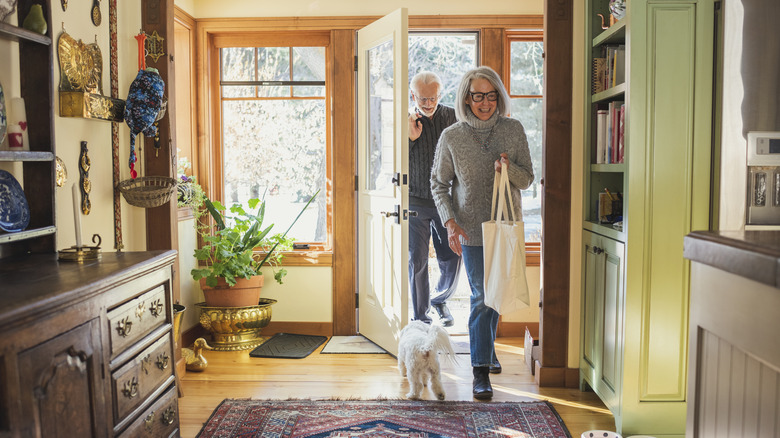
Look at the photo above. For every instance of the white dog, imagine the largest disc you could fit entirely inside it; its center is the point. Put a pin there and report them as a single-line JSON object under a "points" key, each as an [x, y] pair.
{"points": [[418, 356]]}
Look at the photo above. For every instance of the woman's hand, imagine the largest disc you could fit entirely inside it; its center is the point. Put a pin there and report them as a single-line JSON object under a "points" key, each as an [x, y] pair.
{"points": [[504, 159], [454, 231]]}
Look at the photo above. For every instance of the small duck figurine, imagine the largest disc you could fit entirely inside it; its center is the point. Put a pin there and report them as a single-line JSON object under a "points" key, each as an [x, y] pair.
{"points": [[194, 358]]}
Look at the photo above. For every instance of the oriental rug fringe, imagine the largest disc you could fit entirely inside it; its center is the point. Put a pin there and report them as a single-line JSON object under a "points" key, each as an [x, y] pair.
{"points": [[382, 418]]}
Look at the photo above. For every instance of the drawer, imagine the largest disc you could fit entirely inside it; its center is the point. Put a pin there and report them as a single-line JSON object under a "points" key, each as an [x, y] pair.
{"points": [[136, 318], [134, 381], [159, 420]]}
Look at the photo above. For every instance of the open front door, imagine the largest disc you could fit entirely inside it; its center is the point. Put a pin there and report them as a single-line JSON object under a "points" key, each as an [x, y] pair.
{"points": [[383, 154]]}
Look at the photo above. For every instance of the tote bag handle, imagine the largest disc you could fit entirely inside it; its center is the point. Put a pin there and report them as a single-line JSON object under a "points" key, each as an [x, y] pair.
{"points": [[501, 191]]}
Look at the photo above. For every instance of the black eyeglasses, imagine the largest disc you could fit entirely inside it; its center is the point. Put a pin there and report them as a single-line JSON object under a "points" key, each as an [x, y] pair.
{"points": [[492, 96]]}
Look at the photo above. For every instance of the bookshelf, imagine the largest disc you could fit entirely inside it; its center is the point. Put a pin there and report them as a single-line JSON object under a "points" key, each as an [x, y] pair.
{"points": [[37, 164], [635, 283]]}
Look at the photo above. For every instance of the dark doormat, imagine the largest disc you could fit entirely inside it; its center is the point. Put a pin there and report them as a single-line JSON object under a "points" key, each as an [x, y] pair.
{"points": [[288, 346]]}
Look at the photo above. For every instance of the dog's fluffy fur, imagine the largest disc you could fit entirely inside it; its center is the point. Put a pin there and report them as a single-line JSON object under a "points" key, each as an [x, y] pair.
{"points": [[418, 356]]}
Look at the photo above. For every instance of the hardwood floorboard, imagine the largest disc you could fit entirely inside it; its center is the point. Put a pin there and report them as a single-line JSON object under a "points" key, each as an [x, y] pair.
{"points": [[369, 376]]}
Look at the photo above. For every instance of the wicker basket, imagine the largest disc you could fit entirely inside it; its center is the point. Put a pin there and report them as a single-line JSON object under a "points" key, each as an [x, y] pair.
{"points": [[148, 191]]}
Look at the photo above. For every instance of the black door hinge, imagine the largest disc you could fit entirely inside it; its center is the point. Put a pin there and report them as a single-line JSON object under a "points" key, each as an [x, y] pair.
{"points": [[356, 62]]}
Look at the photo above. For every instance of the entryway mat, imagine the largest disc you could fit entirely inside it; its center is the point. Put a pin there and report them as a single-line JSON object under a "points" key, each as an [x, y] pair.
{"points": [[460, 344], [351, 345], [288, 346]]}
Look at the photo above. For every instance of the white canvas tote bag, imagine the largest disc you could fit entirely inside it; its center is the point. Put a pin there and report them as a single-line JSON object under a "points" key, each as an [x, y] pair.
{"points": [[506, 285]]}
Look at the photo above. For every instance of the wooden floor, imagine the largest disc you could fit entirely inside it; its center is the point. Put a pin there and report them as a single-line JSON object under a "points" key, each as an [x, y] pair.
{"points": [[368, 376]]}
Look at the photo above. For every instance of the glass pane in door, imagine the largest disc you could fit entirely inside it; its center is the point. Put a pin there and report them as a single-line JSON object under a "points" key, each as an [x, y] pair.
{"points": [[379, 160]]}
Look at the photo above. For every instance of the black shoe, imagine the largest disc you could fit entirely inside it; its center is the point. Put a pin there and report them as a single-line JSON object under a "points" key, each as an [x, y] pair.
{"points": [[495, 369], [444, 314], [482, 389]]}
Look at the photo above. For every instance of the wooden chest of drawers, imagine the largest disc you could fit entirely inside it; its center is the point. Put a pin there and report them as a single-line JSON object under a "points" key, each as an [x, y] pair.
{"points": [[88, 348]]}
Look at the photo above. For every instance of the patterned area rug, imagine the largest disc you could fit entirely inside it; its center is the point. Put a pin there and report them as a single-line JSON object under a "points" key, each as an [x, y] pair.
{"points": [[382, 419]]}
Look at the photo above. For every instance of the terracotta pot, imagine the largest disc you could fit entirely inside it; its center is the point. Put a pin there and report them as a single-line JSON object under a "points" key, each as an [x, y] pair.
{"points": [[245, 293]]}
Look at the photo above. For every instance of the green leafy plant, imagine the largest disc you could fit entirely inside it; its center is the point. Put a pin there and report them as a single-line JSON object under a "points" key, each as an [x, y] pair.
{"points": [[229, 251]]}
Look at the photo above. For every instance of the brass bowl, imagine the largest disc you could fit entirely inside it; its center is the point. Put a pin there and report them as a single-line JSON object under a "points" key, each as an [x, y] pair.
{"points": [[236, 328]]}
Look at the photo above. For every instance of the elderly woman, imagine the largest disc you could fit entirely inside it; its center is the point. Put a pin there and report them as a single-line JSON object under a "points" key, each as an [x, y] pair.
{"points": [[462, 187]]}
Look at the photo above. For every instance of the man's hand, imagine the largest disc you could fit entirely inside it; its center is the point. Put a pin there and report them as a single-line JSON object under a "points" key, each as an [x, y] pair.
{"points": [[454, 231], [415, 127]]}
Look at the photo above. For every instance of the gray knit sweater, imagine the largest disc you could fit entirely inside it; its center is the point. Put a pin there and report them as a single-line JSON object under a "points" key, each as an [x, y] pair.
{"points": [[463, 172]]}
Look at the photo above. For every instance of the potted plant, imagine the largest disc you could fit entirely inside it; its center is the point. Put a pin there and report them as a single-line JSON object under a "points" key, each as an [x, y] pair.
{"points": [[232, 277]]}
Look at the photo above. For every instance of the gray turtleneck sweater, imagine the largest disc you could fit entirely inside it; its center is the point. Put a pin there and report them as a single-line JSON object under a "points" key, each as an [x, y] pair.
{"points": [[463, 171]]}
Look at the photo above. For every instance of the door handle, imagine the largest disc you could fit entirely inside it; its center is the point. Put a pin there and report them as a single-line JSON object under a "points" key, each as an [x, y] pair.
{"points": [[389, 213], [409, 213], [396, 214]]}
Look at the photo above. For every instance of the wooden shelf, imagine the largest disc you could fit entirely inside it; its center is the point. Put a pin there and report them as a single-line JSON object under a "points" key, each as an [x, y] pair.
{"points": [[27, 234], [26, 156], [605, 230], [608, 168], [615, 34], [16, 33], [609, 94]]}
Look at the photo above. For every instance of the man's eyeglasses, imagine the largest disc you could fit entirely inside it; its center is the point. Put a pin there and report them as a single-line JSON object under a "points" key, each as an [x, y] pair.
{"points": [[492, 96], [424, 100]]}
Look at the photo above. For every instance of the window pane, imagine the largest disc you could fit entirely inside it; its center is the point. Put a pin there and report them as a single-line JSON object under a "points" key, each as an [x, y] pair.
{"points": [[308, 63], [379, 165], [229, 91], [447, 55], [273, 64], [527, 68], [306, 91], [238, 64], [529, 112], [273, 91], [277, 148]]}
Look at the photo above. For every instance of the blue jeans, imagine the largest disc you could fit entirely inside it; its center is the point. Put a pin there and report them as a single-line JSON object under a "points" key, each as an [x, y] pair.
{"points": [[421, 227], [483, 320]]}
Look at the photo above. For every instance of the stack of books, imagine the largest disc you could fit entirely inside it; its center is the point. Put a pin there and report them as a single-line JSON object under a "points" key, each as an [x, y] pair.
{"points": [[609, 69], [610, 141]]}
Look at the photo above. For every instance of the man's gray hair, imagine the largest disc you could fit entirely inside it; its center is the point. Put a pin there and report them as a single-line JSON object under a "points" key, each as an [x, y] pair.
{"points": [[425, 78], [482, 72]]}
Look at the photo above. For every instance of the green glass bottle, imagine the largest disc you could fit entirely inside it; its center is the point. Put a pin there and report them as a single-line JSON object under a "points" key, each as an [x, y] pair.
{"points": [[35, 21]]}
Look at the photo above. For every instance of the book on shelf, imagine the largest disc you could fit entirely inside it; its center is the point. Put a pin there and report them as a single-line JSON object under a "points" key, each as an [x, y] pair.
{"points": [[601, 139], [598, 79], [621, 132], [610, 125]]}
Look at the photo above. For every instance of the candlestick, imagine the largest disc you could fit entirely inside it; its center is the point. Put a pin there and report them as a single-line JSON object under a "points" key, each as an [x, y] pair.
{"points": [[77, 215]]}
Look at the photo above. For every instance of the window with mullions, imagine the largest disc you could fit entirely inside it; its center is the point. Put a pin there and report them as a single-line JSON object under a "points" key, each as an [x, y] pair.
{"points": [[526, 81], [274, 134]]}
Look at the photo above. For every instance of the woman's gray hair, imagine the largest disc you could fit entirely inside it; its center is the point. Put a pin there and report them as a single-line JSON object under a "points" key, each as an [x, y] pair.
{"points": [[482, 72], [425, 77]]}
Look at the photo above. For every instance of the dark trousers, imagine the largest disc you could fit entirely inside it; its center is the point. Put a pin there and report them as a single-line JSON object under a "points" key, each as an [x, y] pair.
{"points": [[422, 227]]}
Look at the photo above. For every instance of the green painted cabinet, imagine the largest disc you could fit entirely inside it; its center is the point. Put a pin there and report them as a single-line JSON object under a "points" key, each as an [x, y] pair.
{"points": [[602, 310], [664, 180]]}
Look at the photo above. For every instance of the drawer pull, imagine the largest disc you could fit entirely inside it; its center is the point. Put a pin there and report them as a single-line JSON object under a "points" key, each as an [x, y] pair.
{"points": [[145, 362], [123, 326], [139, 311], [148, 421], [169, 416], [162, 361], [156, 308], [130, 389]]}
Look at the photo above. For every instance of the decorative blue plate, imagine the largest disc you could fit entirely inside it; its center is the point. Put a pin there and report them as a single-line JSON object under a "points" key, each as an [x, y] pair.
{"points": [[14, 211]]}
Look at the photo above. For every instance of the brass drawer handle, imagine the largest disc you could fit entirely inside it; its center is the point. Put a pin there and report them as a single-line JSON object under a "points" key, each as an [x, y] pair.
{"points": [[130, 389], [148, 421], [162, 361], [139, 311], [169, 416], [145, 362], [123, 326], [156, 308]]}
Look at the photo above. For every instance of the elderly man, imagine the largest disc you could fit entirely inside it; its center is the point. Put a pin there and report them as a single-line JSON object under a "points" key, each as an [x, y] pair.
{"points": [[426, 124]]}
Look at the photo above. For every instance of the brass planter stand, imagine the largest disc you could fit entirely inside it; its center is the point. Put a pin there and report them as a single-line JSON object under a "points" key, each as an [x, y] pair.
{"points": [[236, 328]]}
